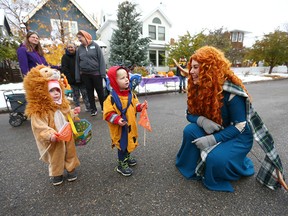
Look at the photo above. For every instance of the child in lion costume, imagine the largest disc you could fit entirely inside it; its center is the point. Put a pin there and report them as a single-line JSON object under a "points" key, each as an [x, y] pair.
{"points": [[48, 115]]}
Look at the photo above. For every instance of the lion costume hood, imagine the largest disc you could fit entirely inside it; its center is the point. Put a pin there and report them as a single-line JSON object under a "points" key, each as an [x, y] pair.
{"points": [[39, 101]]}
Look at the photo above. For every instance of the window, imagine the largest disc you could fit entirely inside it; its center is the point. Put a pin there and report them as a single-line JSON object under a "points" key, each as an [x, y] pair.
{"points": [[161, 57], [152, 32], [157, 58], [70, 28], [234, 36], [161, 33], [240, 37], [152, 57], [156, 20]]}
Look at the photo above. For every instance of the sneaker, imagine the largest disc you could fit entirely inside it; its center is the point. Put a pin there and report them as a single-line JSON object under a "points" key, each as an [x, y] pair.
{"points": [[87, 110], [94, 113], [124, 169], [130, 160], [71, 176], [57, 180]]}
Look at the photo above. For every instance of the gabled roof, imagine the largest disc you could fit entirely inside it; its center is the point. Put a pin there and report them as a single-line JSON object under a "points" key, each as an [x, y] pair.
{"points": [[155, 10], [43, 2], [237, 30], [4, 21]]}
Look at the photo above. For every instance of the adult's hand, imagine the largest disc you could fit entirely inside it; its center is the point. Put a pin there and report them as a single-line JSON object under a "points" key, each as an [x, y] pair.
{"points": [[204, 142], [208, 125]]}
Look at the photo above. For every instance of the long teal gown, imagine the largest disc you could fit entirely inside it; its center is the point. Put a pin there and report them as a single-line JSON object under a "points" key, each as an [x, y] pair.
{"points": [[226, 162]]}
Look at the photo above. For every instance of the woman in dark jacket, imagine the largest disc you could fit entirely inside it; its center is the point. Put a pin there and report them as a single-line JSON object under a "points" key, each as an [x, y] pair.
{"points": [[68, 68]]}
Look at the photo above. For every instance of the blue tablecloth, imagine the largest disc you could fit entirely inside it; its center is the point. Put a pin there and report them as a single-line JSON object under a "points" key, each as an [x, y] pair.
{"points": [[159, 80]]}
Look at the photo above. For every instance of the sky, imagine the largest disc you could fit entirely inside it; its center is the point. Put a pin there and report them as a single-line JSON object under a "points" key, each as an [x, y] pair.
{"points": [[256, 16]]}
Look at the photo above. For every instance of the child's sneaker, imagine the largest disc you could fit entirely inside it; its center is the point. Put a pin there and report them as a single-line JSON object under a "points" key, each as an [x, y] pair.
{"points": [[71, 176], [130, 160], [57, 180], [123, 168]]}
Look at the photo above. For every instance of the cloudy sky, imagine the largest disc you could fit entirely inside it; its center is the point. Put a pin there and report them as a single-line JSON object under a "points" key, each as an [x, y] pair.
{"points": [[255, 16]]}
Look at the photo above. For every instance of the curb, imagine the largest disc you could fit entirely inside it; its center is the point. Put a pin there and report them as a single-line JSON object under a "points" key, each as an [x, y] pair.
{"points": [[5, 110]]}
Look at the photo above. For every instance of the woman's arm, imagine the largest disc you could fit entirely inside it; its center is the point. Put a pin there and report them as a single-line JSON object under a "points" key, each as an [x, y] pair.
{"points": [[237, 116]]}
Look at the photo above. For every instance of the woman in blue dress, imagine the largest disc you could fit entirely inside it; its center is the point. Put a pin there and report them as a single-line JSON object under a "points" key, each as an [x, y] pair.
{"points": [[218, 138]]}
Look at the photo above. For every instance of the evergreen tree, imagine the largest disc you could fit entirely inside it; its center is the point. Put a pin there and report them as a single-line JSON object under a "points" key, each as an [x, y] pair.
{"points": [[128, 47]]}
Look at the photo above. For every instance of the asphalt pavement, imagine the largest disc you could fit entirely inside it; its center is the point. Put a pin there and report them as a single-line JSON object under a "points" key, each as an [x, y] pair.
{"points": [[156, 187]]}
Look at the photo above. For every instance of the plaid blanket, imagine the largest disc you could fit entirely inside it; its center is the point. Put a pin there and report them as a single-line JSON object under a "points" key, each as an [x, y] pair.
{"points": [[267, 172]]}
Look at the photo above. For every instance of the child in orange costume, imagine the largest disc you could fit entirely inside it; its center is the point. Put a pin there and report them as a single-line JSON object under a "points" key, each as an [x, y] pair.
{"points": [[120, 109], [48, 109]]}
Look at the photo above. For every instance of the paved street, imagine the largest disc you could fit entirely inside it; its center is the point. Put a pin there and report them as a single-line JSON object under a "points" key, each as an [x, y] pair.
{"points": [[156, 187]]}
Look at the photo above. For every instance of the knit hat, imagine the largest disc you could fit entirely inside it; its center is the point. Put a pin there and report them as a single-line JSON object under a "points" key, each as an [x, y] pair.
{"points": [[86, 35], [55, 84]]}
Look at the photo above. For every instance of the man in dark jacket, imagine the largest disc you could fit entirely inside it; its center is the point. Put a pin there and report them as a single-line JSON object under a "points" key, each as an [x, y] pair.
{"points": [[68, 69], [90, 65]]}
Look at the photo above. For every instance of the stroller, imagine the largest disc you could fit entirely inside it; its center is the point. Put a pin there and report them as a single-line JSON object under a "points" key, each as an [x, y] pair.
{"points": [[16, 104]]}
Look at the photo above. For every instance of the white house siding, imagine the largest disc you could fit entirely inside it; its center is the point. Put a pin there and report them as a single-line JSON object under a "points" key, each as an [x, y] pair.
{"points": [[107, 27]]}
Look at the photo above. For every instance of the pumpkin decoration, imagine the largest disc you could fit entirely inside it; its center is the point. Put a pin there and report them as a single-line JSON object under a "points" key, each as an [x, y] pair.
{"points": [[162, 73], [170, 74]]}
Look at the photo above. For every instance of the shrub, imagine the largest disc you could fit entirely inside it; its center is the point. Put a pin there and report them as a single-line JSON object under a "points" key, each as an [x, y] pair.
{"points": [[140, 70]]}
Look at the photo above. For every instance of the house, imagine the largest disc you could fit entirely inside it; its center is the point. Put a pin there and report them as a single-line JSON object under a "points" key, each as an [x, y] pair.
{"points": [[237, 38], [156, 25], [49, 15], [5, 30]]}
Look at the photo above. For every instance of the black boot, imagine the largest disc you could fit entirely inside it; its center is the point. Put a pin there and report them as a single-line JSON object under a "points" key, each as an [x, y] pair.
{"points": [[180, 89]]}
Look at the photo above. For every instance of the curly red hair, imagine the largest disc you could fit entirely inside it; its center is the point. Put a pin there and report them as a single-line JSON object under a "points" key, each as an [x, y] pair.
{"points": [[205, 97]]}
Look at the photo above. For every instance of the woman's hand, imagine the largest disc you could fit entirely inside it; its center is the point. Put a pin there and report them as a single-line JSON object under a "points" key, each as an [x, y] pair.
{"points": [[208, 125], [204, 142]]}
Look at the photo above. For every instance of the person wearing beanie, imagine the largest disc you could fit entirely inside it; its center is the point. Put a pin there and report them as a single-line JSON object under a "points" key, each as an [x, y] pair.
{"points": [[48, 111], [68, 69], [91, 68], [120, 109]]}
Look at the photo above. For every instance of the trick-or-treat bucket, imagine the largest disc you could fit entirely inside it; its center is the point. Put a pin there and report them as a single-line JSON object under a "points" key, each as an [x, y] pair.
{"points": [[84, 129]]}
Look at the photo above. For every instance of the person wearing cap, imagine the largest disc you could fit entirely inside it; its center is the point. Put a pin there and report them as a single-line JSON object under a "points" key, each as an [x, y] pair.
{"points": [[182, 76], [120, 109], [48, 111], [91, 68]]}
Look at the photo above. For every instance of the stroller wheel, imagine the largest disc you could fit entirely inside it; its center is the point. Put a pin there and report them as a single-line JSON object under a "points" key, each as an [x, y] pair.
{"points": [[15, 120], [24, 117]]}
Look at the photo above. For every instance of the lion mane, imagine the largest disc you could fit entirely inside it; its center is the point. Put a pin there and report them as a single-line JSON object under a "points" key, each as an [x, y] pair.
{"points": [[39, 101]]}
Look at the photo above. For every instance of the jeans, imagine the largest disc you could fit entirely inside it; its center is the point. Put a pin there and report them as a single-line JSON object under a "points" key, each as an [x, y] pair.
{"points": [[182, 81], [77, 89]]}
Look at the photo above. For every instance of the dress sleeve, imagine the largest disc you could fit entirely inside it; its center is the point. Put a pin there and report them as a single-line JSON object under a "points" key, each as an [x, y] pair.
{"points": [[237, 113], [191, 118]]}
